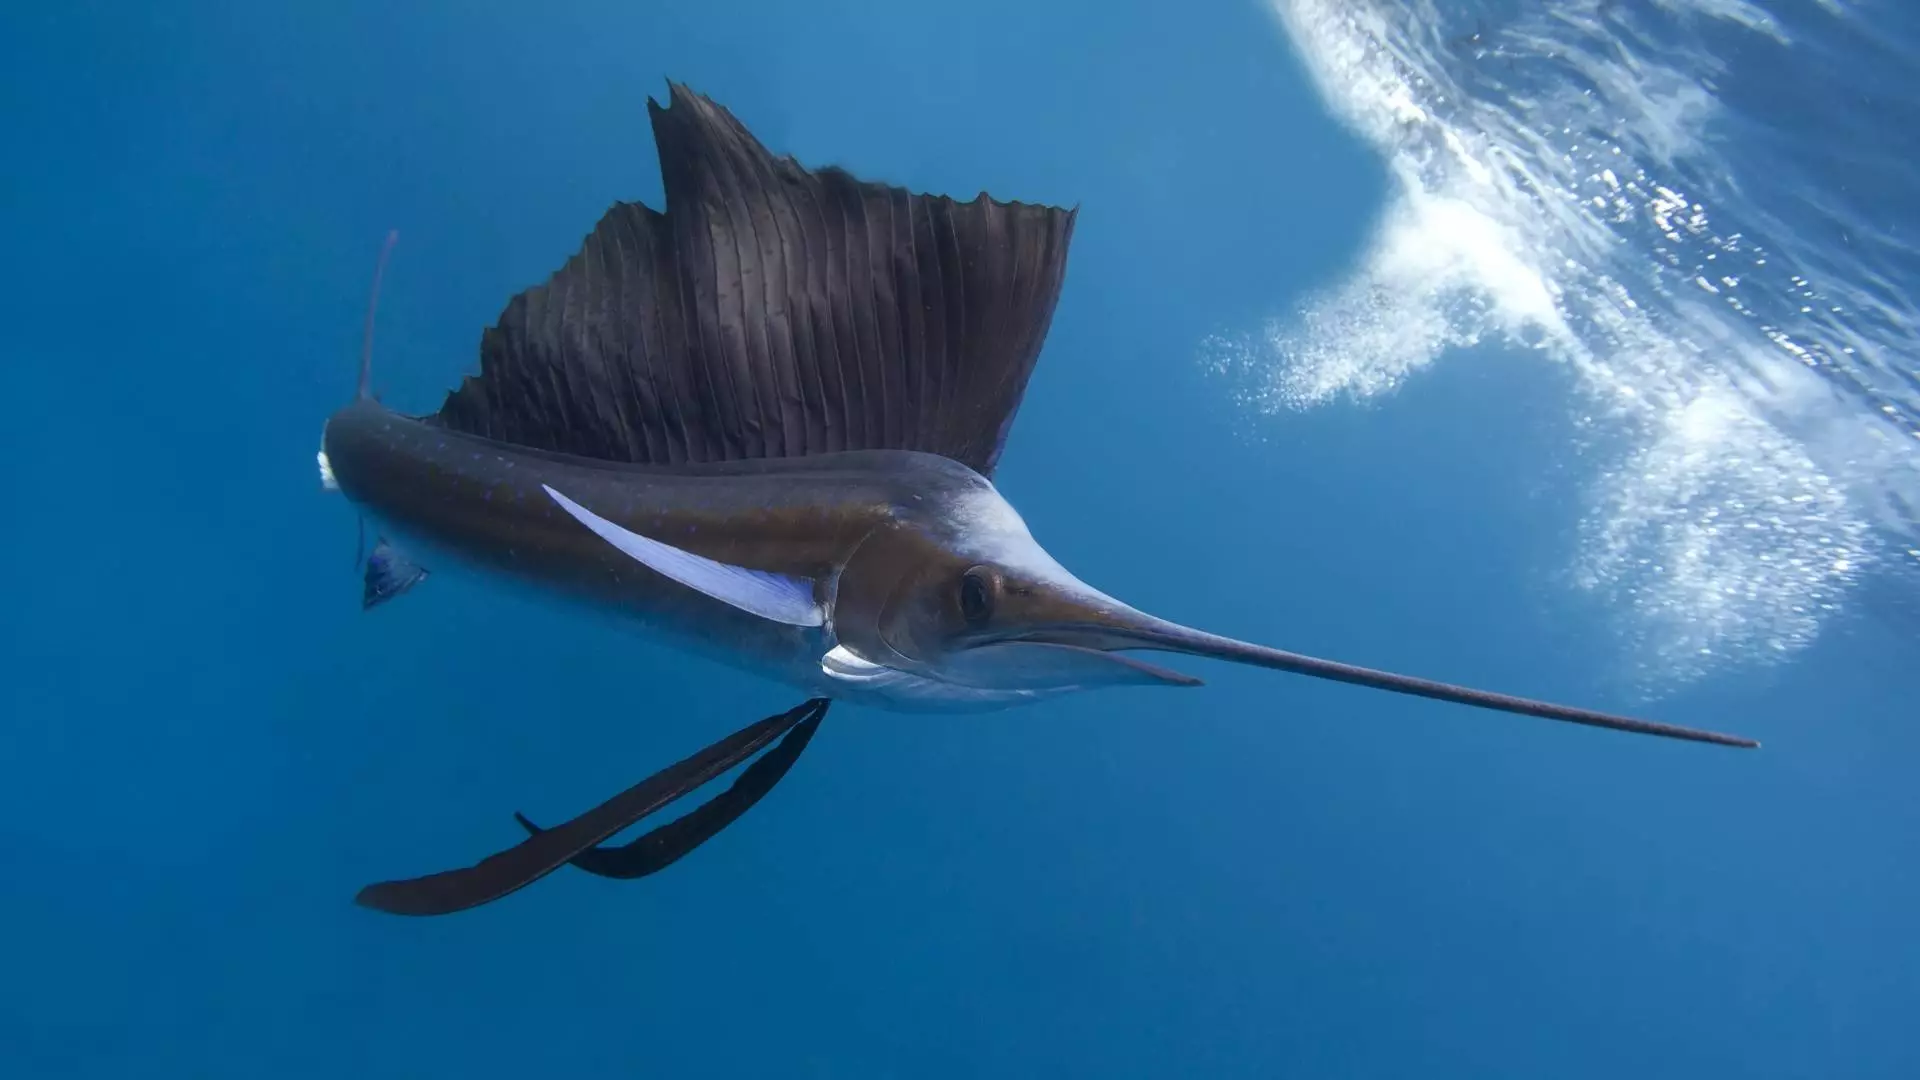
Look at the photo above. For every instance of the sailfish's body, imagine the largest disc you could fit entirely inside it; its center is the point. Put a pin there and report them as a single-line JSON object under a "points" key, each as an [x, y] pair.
{"points": [[765, 423], [801, 518]]}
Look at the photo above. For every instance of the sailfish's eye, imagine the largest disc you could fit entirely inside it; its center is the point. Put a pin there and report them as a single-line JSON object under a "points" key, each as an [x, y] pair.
{"points": [[977, 589]]}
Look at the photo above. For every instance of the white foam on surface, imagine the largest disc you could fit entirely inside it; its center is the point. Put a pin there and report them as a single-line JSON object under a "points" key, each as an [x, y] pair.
{"points": [[1740, 496]]}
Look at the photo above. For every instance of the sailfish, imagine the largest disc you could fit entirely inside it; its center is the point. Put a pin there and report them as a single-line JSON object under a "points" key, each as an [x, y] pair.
{"points": [[764, 423]]}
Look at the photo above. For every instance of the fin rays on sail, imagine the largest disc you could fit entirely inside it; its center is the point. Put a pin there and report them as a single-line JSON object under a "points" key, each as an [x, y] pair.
{"points": [[773, 311], [771, 596]]}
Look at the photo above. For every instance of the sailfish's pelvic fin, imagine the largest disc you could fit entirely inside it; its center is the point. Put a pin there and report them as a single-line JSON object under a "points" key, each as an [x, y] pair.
{"points": [[539, 855], [773, 311], [666, 845], [365, 389]]}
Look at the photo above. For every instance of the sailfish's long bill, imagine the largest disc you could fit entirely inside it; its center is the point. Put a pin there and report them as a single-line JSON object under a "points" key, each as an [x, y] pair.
{"points": [[765, 424], [1081, 637]]}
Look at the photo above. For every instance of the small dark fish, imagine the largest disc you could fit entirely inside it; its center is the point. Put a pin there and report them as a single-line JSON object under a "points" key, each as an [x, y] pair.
{"points": [[766, 423]]}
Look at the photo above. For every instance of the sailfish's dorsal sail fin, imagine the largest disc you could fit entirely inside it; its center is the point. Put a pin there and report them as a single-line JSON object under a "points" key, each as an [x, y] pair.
{"points": [[773, 311]]}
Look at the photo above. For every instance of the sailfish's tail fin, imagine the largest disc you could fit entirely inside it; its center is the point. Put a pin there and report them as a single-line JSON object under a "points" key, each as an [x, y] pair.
{"points": [[373, 303], [364, 391]]}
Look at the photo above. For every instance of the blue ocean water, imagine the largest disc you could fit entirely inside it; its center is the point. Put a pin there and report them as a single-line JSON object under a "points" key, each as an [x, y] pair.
{"points": [[1567, 350]]}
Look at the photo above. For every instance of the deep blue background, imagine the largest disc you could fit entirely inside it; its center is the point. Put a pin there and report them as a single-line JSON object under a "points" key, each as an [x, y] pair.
{"points": [[207, 747]]}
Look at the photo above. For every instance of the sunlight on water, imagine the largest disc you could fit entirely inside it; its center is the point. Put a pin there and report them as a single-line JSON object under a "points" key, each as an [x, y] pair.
{"points": [[1541, 200]]}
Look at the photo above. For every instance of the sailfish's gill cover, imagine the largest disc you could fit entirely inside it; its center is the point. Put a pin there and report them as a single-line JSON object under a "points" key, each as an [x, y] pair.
{"points": [[773, 311]]}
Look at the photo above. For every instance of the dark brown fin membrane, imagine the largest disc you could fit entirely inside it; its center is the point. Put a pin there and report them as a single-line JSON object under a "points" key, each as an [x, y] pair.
{"points": [[665, 845], [534, 858], [773, 311]]}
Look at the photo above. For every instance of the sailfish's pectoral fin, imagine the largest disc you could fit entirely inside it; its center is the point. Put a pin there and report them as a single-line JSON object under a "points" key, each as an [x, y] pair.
{"points": [[539, 855], [665, 845], [771, 596]]}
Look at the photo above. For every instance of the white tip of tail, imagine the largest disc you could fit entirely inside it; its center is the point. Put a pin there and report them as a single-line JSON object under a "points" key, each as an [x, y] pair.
{"points": [[326, 472]]}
